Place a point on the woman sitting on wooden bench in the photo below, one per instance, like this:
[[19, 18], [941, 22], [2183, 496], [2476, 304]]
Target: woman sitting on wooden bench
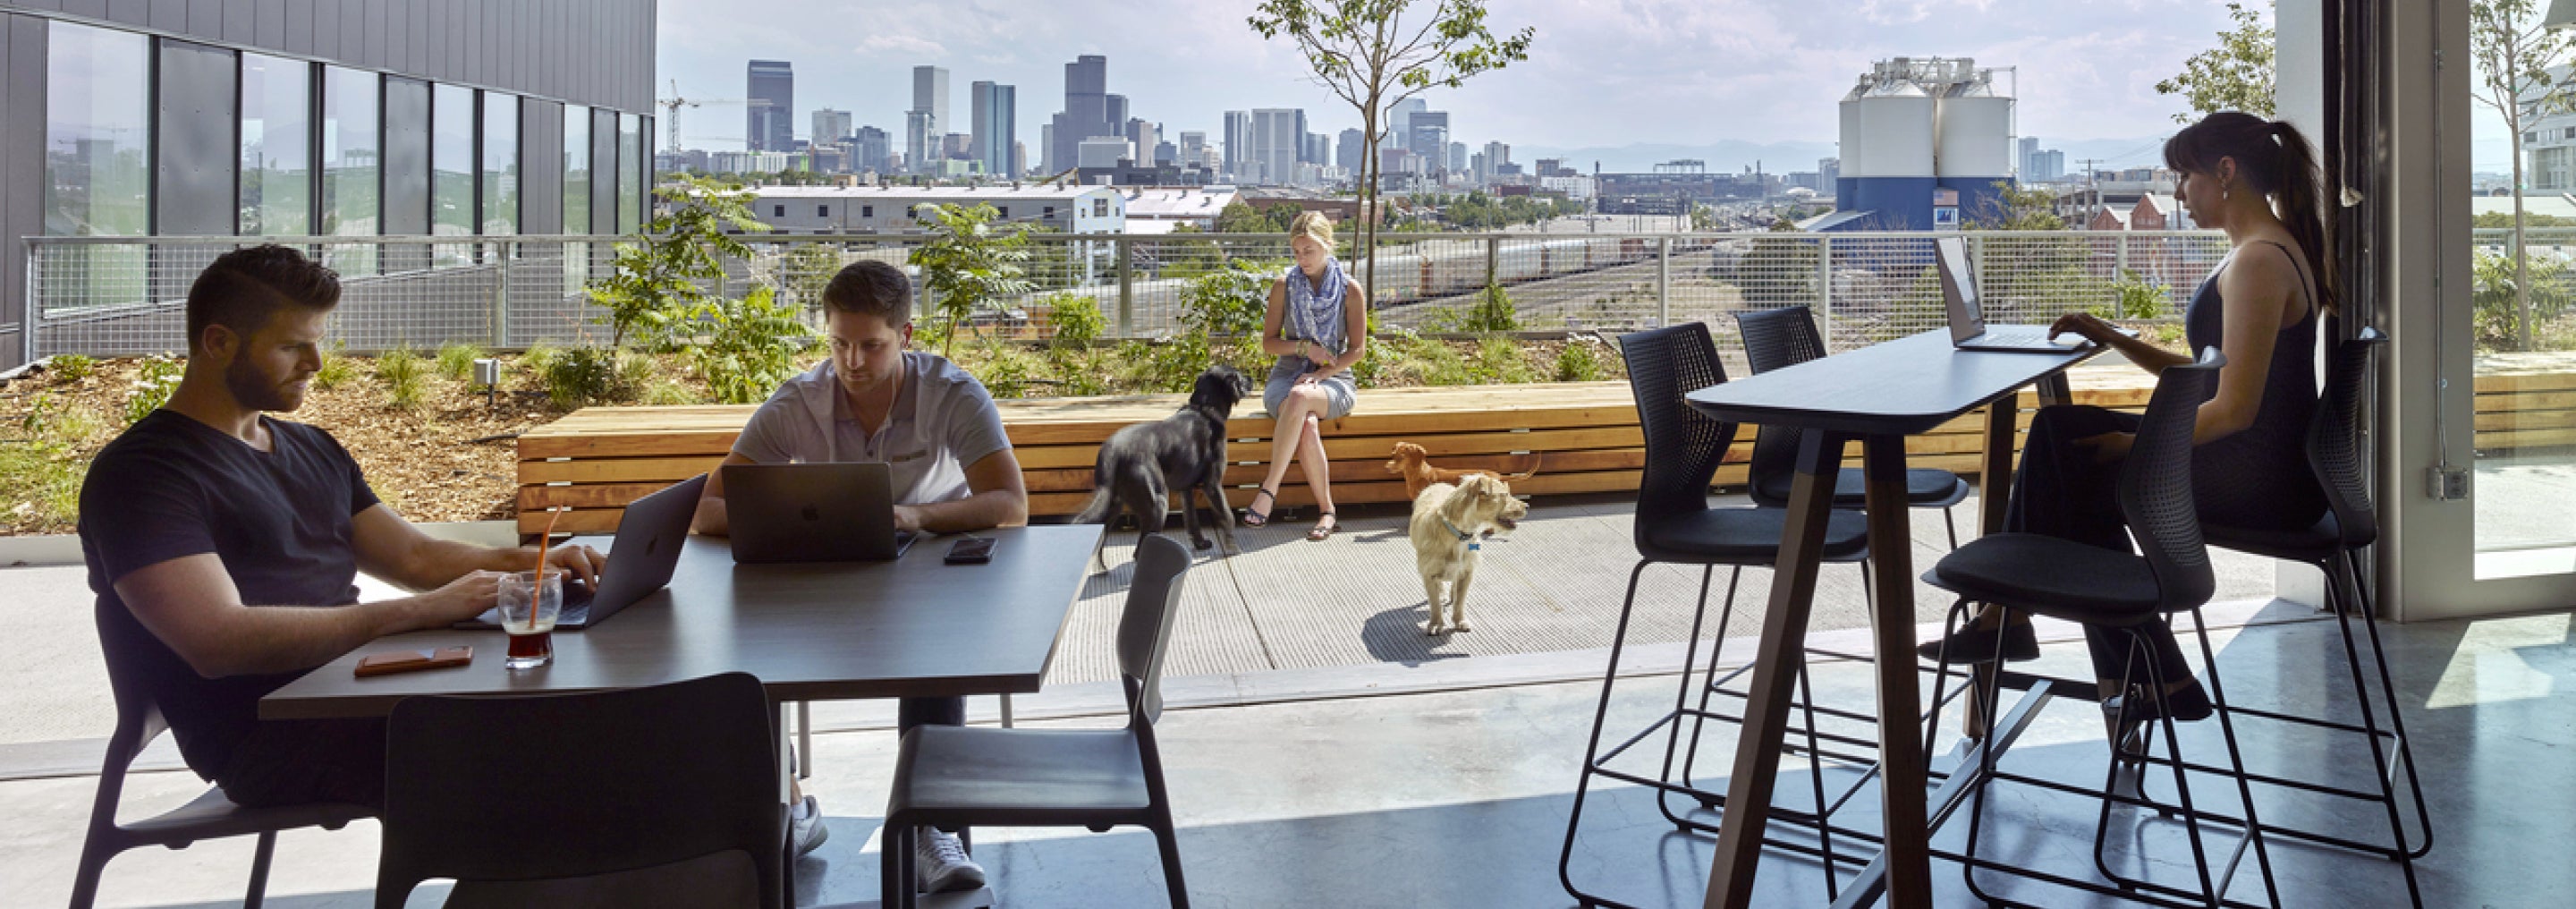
[[1317, 325]]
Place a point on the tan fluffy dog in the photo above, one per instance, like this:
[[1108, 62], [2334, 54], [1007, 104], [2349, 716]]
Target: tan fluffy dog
[[1413, 464], [1447, 521]]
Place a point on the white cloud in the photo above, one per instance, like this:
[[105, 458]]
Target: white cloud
[[901, 44]]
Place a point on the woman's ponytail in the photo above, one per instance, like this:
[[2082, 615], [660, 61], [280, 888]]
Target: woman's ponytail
[[2301, 195]]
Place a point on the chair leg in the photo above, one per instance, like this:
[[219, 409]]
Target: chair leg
[[1990, 696], [2388, 690], [2111, 772], [259, 870], [1950, 522], [1166, 840], [1708, 686], [2182, 784], [2236, 764], [1681, 694], [894, 879], [1592, 746], [93, 864], [2337, 594], [804, 739]]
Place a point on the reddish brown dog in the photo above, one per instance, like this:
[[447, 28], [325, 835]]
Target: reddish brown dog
[[1411, 463]]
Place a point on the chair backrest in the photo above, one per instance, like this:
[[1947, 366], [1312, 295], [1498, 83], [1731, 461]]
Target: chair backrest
[[138, 718], [2155, 485], [2334, 438], [1145, 626], [503, 789], [1683, 446], [1776, 338]]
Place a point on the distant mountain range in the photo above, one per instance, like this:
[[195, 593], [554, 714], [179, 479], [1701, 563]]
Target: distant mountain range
[[1735, 155]]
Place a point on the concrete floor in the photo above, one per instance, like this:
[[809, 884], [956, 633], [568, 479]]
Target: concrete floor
[[1459, 798]]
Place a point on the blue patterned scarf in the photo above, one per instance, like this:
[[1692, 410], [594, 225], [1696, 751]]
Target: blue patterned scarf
[[1317, 315]]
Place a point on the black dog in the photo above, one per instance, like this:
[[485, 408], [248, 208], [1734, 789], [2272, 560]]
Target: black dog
[[1142, 464]]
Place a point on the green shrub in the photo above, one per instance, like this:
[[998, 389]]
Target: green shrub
[[456, 361], [156, 378], [1006, 369], [336, 369], [72, 367], [1577, 362], [751, 346], [1082, 371], [404, 375], [972, 259], [657, 281], [1443, 320], [580, 376], [1076, 318], [1493, 312], [1499, 361]]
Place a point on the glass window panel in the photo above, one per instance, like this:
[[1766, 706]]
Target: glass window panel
[[97, 167], [276, 146], [576, 193], [630, 172], [500, 163], [406, 157], [451, 168], [351, 166]]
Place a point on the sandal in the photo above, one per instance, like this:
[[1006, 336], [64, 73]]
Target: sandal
[[1259, 518], [1322, 529]]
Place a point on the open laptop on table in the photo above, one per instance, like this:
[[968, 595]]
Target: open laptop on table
[[649, 536], [824, 512], [1968, 328]]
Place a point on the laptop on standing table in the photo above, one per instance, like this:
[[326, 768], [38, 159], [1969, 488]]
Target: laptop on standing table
[[649, 537], [820, 512], [1968, 328]]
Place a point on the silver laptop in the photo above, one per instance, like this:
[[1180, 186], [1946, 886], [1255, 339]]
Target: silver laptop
[[1968, 328], [647, 550], [838, 512]]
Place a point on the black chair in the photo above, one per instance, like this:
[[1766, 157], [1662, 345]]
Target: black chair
[[206, 817], [642, 796], [2102, 588], [1787, 336], [959, 776], [1675, 525], [2334, 546]]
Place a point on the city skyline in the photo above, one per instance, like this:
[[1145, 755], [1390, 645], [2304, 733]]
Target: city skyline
[[1776, 75]]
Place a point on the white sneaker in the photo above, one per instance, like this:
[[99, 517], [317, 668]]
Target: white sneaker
[[943, 864], [805, 826]]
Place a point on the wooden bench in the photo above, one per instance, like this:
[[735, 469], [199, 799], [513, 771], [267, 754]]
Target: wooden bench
[[598, 459]]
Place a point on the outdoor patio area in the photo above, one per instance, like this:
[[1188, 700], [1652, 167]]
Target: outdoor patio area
[[1459, 797]]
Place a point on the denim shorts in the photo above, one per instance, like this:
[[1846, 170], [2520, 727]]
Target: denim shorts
[[1340, 395]]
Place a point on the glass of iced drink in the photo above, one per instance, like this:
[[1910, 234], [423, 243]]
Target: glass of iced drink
[[530, 602]]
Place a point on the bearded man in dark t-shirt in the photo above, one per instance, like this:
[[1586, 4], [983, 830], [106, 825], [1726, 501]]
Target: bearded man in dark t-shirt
[[224, 545]]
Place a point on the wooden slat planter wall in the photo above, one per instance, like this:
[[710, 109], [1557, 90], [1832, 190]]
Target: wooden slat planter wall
[[598, 459]]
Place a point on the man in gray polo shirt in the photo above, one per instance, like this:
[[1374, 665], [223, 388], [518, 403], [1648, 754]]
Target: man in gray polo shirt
[[939, 433]]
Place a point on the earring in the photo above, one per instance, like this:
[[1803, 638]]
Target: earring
[[2225, 189]]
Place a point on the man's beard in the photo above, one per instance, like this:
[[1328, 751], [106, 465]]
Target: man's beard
[[254, 390]]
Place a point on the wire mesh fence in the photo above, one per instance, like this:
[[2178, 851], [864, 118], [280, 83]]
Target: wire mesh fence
[[123, 296]]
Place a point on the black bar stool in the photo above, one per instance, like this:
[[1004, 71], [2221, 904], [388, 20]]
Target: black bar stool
[[1675, 525], [2103, 588], [2334, 546]]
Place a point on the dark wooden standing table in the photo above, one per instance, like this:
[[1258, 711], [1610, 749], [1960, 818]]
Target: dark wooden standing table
[[1877, 396]]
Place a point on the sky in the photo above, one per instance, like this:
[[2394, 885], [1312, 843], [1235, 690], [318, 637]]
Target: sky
[[1600, 72]]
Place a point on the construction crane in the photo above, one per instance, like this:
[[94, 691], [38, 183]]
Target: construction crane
[[671, 110]]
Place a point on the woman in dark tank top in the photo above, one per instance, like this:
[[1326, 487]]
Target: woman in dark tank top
[[2257, 180]]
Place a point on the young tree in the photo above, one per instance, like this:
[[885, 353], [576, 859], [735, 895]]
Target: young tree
[[2235, 75], [969, 262], [676, 262], [2513, 54], [1372, 55]]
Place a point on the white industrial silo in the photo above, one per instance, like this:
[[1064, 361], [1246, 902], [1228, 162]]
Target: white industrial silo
[[1895, 125], [1976, 134]]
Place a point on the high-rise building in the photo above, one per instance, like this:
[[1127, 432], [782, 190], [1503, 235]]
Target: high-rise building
[[1046, 148], [1019, 158], [1399, 121], [920, 145], [872, 147], [1238, 146], [1319, 149], [769, 105], [922, 133], [1351, 151], [829, 126], [1103, 151], [1142, 135], [2022, 163], [1193, 147], [1496, 156], [1427, 135], [2047, 166], [1086, 112], [1166, 153], [1278, 135], [1828, 170], [1457, 157], [992, 121]]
